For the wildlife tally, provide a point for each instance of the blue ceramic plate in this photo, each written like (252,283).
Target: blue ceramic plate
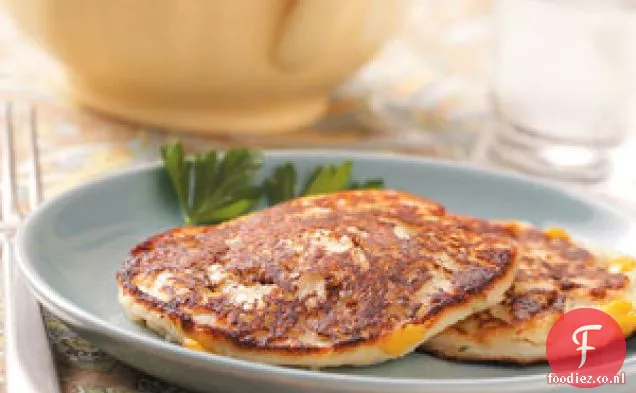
(72,246)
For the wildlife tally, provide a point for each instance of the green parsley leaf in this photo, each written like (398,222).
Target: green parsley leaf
(175,165)
(329,178)
(281,186)
(212,188)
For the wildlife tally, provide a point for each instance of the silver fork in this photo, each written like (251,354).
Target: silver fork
(29,362)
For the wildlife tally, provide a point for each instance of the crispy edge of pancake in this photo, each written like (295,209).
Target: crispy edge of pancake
(492,345)
(358,353)
(499,343)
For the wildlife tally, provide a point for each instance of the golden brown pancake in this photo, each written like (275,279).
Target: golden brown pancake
(350,278)
(556,275)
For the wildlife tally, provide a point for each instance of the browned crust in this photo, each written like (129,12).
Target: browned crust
(208,334)
(484,261)
(567,270)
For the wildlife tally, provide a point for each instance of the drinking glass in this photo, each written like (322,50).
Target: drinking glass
(561,85)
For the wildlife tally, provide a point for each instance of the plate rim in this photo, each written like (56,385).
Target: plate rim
(53,300)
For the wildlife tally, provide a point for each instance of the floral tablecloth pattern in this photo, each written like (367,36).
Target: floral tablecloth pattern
(425,94)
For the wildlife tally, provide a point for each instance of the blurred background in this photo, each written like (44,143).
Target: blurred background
(540,87)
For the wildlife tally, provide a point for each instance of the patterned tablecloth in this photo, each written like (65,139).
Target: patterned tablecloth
(433,77)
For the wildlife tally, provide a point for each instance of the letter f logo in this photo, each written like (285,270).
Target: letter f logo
(583,344)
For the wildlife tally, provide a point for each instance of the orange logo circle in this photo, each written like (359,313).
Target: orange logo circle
(586,348)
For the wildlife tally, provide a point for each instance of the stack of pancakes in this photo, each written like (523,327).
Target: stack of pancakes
(361,277)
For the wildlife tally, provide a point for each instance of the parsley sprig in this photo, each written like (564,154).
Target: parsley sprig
(211,187)
(282,184)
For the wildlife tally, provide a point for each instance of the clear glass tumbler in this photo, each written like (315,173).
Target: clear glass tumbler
(561,84)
